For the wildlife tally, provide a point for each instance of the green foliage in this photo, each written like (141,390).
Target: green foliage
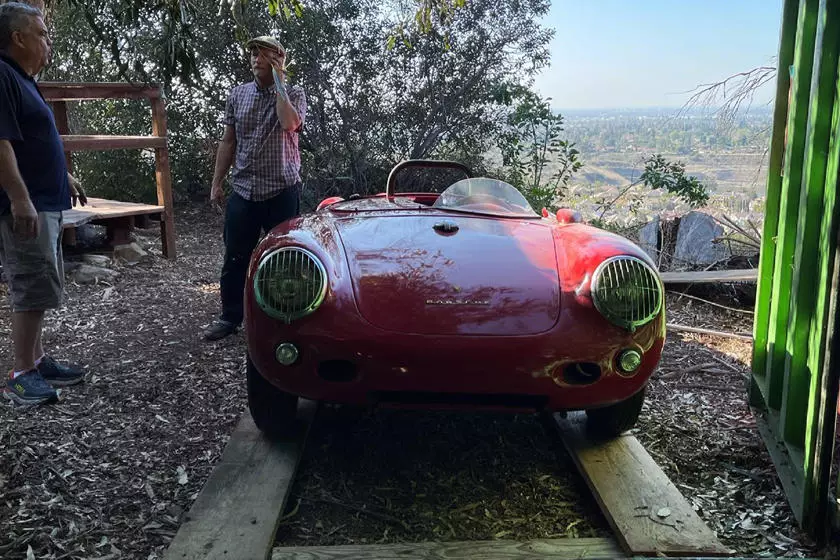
(119,175)
(536,158)
(285,7)
(368,106)
(193,112)
(129,29)
(430,15)
(174,22)
(660,173)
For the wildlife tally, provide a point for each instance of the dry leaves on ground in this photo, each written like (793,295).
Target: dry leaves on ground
(109,472)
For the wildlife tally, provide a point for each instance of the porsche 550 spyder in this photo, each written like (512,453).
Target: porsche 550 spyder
(461,298)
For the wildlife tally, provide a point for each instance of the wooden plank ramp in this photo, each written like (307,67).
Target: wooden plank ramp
(709,276)
(649,516)
(237,512)
(486,550)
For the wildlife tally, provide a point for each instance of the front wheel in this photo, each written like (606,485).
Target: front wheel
(611,421)
(274,411)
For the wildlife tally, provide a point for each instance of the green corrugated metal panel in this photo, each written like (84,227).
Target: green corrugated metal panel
(821,414)
(789,201)
(787,41)
(796,359)
(797,376)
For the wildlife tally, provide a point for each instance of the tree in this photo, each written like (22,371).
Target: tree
(175,40)
(732,95)
(369,106)
(660,173)
(530,144)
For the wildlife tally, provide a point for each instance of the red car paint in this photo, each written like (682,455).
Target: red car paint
(498,308)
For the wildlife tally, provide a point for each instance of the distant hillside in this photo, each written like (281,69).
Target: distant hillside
(614,143)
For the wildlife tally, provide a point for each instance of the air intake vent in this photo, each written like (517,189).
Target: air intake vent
(627,291)
(290,283)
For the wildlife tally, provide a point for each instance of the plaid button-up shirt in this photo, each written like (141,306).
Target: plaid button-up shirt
(267,158)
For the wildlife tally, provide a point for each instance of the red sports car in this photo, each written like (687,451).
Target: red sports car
(463,298)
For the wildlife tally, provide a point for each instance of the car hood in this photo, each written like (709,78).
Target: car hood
(452,274)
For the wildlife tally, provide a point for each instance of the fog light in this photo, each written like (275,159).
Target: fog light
(629,361)
(287,354)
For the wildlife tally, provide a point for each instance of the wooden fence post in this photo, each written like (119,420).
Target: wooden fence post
(62,123)
(163,179)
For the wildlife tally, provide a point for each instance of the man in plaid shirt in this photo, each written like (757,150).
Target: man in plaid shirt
(262,121)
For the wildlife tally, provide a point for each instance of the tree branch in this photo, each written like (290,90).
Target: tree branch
(735,91)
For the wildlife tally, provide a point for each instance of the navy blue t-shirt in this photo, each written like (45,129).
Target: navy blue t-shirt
(27,122)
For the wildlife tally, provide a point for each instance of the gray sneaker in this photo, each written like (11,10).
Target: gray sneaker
(30,388)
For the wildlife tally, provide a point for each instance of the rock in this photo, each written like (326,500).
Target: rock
(70,266)
(131,253)
(97,260)
(649,238)
(89,274)
(696,240)
(89,235)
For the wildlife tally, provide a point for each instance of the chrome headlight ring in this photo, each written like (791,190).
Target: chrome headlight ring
(290,283)
(627,291)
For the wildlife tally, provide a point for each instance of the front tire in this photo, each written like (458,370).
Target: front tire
(611,421)
(274,411)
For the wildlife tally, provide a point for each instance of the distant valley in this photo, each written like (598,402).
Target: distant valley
(729,158)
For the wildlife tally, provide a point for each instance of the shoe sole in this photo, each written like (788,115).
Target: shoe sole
(214,337)
(17,399)
(65,382)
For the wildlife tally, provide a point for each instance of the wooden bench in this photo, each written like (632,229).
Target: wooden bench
(118,217)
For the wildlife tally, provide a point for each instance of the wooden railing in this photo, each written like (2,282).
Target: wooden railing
(59,93)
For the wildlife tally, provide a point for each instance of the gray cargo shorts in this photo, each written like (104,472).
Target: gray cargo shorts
(34,268)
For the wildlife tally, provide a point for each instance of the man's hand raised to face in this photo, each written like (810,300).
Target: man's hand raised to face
(277,61)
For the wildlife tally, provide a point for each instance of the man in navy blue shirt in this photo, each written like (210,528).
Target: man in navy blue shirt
(34,190)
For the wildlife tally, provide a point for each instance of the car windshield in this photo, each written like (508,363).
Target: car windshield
(485,196)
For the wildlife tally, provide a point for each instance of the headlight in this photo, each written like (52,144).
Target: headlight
(290,283)
(627,291)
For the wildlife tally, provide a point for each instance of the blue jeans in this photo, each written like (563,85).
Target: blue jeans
(244,222)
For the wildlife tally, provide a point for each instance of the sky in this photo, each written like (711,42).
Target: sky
(648,53)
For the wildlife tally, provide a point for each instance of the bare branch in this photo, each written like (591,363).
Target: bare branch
(730,94)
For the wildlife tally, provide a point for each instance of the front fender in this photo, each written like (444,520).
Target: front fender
(580,249)
(315,233)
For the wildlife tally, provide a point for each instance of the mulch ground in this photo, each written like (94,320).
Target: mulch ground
(110,470)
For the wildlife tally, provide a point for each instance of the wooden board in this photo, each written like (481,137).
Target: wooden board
(238,510)
(486,550)
(683,328)
(784,457)
(103,209)
(710,276)
(72,91)
(632,491)
(82,143)
(163,178)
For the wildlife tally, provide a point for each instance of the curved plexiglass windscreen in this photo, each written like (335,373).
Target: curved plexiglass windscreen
(485,196)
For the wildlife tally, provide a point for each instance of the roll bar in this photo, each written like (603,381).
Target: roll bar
(429,163)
